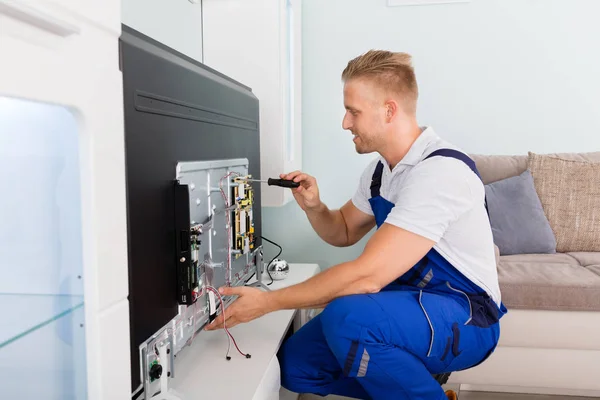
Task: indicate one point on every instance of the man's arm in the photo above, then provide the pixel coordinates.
(436, 193)
(389, 253)
(343, 227)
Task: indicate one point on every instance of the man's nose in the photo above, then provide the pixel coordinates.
(346, 122)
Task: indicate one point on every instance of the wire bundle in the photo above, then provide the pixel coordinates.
(230, 337)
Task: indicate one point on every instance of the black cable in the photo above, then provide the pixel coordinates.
(278, 254)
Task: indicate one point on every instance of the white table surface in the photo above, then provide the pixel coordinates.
(201, 370)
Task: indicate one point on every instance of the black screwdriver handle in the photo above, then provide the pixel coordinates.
(283, 183)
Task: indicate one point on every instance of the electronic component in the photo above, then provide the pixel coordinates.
(212, 306)
(187, 281)
(243, 227)
(155, 371)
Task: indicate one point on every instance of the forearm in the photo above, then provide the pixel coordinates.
(340, 280)
(329, 225)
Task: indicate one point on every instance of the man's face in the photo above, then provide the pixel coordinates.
(365, 114)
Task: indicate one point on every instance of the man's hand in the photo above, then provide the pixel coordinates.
(307, 194)
(251, 304)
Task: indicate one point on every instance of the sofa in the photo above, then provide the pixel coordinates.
(550, 337)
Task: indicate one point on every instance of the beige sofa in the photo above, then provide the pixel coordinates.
(550, 338)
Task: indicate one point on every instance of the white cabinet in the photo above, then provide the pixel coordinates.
(63, 239)
(258, 43)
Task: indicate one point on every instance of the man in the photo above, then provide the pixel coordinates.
(423, 297)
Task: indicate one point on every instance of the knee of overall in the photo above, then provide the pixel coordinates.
(300, 358)
(289, 358)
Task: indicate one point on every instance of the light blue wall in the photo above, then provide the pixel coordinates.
(495, 76)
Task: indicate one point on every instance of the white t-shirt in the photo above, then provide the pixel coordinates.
(443, 200)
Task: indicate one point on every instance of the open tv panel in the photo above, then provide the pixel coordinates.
(214, 227)
(191, 139)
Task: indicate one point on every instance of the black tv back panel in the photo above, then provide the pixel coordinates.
(176, 110)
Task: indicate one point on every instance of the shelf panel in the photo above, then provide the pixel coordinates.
(43, 353)
(23, 314)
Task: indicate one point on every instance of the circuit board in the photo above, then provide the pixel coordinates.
(214, 226)
(243, 226)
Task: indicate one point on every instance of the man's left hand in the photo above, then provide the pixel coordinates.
(250, 304)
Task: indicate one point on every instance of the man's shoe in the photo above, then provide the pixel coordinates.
(451, 395)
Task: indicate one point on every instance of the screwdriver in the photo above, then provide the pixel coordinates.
(277, 182)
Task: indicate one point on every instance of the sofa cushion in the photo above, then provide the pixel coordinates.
(497, 167)
(518, 222)
(586, 258)
(558, 258)
(576, 330)
(542, 286)
(593, 156)
(570, 194)
(594, 268)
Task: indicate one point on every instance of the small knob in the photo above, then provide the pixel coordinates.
(156, 371)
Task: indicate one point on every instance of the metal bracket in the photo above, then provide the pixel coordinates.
(260, 267)
(166, 393)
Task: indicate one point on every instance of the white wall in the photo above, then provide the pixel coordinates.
(496, 76)
(176, 23)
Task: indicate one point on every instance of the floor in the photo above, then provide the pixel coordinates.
(472, 396)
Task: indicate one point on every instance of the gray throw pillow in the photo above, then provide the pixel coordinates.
(519, 224)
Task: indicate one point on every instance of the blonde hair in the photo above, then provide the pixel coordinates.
(390, 71)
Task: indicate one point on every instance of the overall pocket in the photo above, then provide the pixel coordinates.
(445, 316)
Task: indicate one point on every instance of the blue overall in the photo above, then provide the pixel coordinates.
(387, 345)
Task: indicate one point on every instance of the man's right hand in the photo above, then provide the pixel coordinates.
(343, 227)
(307, 194)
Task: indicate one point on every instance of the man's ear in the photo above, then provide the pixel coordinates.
(391, 110)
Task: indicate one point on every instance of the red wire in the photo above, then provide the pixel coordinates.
(236, 346)
(224, 324)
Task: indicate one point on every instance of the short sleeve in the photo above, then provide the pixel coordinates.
(434, 195)
(362, 194)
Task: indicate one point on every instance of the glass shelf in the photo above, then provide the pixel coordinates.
(23, 314)
(42, 353)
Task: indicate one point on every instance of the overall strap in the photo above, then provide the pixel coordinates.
(458, 156)
(376, 180)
